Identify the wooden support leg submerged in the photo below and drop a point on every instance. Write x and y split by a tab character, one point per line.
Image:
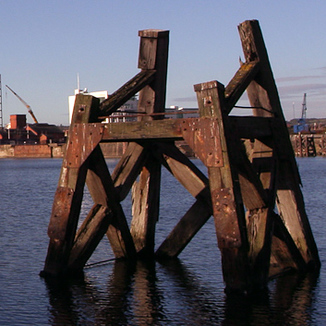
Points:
145	197
245	188
68	198
153	54
228	211
263	95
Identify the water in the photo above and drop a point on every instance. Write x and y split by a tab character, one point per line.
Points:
188	291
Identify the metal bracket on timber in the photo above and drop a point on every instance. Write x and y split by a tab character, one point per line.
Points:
252	189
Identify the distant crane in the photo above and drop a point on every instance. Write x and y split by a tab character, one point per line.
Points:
304	107
27	106
301	125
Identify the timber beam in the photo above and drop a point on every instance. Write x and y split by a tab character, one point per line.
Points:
129	89
176	129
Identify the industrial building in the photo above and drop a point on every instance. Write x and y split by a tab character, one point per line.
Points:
19	132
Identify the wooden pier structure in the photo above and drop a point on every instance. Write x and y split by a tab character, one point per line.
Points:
304	145
252	189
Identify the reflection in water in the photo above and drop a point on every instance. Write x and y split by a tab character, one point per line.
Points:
133	295
155	293
199	302
288	302
71	301
167	293
294	298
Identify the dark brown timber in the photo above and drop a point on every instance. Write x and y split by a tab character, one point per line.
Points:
262	92
252	187
153	54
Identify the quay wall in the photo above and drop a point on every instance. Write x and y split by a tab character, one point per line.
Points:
116	150
31	151
110	150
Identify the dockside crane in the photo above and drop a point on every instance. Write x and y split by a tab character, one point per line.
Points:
27	106
302	125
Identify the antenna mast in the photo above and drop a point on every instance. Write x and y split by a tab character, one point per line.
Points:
1	118
304	107
78	87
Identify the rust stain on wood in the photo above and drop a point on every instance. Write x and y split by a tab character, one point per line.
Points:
203	136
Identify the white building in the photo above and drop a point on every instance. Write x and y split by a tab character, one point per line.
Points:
124	113
102	95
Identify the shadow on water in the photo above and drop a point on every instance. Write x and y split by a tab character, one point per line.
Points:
168	293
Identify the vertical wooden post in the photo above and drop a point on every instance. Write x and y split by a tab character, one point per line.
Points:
260	218
153	54
228	210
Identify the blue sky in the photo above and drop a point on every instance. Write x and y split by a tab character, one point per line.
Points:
45	44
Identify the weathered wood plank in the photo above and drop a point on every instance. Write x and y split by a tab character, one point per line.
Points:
239	83
253	194
127	170
197	185
228	210
288	254
186	229
288	211
145	209
187	174
86	109
254	49
102	190
125	92
68	197
260	226
153	54
83	138
173	129
281	259
260	218
88	236
169	129
63	223
262	92
258	194
181	167
203	137
150	48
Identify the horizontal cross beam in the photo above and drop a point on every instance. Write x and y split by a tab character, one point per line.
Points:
171	129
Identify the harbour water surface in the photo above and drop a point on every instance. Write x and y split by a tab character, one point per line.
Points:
188	291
